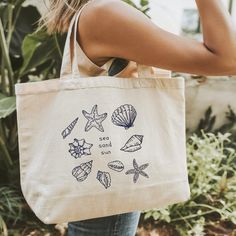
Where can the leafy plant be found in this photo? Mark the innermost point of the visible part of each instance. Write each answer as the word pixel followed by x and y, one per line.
pixel 207 123
pixel 212 177
pixel 10 208
pixel 143 6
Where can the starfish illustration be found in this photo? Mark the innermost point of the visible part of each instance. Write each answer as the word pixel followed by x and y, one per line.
pixel 94 120
pixel 79 148
pixel 138 170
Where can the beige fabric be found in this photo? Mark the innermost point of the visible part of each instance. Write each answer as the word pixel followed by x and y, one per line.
pixel 137 122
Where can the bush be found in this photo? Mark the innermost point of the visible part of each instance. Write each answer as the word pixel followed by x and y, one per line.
pixel 212 177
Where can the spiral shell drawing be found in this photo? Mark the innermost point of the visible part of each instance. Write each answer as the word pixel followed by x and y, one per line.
pixel 82 171
pixel 79 148
pixel 124 116
pixel 104 178
pixel 69 128
pixel 116 166
pixel 133 144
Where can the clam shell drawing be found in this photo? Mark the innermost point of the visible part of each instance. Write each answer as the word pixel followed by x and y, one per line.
pixel 116 165
pixel 82 171
pixel 133 144
pixel 104 178
pixel 124 116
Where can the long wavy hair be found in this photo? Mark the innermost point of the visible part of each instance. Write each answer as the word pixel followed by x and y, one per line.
pixel 57 17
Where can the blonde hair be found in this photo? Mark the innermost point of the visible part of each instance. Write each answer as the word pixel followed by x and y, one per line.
pixel 57 17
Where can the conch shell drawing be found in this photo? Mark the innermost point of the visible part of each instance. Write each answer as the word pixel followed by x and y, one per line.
pixel 69 128
pixel 82 171
pixel 104 178
pixel 124 116
pixel 133 144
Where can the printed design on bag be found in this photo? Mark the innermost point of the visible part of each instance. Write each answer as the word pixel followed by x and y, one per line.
pixel 79 148
pixel 105 145
pixel 94 119
pixel 104 178
pixel 124 116
pixel 82 171
pixel 69 128
pixel 133 144
pixel 138 170
pixel 116 165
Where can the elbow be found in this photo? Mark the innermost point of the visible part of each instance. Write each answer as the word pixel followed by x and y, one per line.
pixel 226 65
pixel 228 60
pixel 230 65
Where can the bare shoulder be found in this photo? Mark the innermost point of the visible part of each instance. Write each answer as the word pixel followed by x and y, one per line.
pixel 104 23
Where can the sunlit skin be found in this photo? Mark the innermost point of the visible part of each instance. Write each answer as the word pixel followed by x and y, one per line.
pixel 112 28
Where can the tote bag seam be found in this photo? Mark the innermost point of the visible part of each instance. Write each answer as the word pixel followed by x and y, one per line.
pixel 76 195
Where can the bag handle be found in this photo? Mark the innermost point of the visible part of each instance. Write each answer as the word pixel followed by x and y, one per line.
pixel 70 57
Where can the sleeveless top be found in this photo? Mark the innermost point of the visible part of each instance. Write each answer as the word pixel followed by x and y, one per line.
pixel 117 67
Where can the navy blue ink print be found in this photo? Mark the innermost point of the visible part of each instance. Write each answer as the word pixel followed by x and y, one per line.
pixel 69 128
pixel 116 166
pixel 104 178
pixel 133 144
pixel 94 120
pixel 138 170
pixel 82 171
pixel 79 148
pixel 124 116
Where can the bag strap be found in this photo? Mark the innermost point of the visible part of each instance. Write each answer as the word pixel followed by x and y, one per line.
pixel 70 57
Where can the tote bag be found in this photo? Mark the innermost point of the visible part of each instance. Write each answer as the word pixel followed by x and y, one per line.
pixel 101 145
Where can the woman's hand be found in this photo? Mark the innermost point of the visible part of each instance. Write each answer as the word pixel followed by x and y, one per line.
pixel 115 29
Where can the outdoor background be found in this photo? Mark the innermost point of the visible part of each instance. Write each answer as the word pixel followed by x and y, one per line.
pixel 26 56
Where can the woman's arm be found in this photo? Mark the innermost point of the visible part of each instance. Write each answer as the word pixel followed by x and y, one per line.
pixel 115 29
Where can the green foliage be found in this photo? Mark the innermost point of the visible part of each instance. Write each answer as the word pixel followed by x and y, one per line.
pixel 143 5
pixel 212 177
pixel 207 123
pixel 7 105
pixel 10 208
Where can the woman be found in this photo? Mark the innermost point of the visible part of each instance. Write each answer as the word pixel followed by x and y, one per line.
pixel 112 30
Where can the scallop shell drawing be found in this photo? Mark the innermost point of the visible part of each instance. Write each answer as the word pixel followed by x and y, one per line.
pixel 124 116
pixel 82 171
pixel 116 166
pixel 133 144
pixel 104 178
pixel 69 128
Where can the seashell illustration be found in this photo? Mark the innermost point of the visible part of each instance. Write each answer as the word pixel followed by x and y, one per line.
pixel 116 165
pixel 82 171
pixel 124 116
pixel 79 148
pixel 104 178
pixel 133 144
pixel 69 128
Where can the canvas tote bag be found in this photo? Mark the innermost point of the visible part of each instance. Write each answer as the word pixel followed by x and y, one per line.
pixel 98 146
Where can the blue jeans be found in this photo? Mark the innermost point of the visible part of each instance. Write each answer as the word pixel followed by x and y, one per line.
pixel 116 225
